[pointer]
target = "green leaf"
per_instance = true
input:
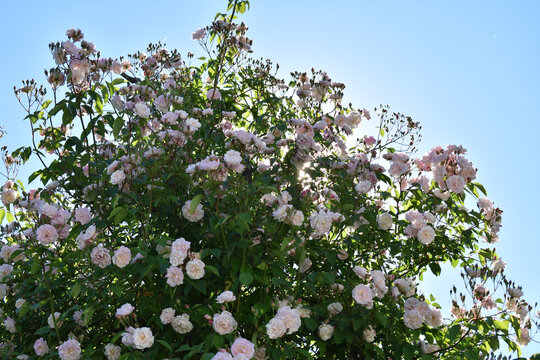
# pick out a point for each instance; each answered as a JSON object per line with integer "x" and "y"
{"x": 9, "y": 217}
{"x": 166, "y": 344}
{"x": 246, "y": 277}
{"x": 194, "y": 202}
{"x": 75, "y": 290}
{"x": 212, "y": 269}
{"x": 2, "y": 215}
{"x": 117, "y": 126}
{"x": 453, "y": 332}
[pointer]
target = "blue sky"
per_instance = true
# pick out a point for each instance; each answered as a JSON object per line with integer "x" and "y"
{"x": 467, "y": 70}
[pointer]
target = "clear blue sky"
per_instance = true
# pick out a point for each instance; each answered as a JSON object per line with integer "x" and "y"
{"x": 468, "y": 71}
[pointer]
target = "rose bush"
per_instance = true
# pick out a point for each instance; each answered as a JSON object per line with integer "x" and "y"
{"x": 208, "y": 209}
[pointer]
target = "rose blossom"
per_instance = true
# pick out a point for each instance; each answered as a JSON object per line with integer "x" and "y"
{"x": 41, "y": 347}
{"x": 222, "y": 355}
{"x": 112, "y": 352}
{"x": 243, "y": 346}
{"x": 198, "y": 34}
{"x": 117, "y": 177}
{"x": 434, "y": 318}
{"x": 369, "y": 334}
{"x": 363, "y": 186}
{"x": 334, "y": 308}
{"x": 224, "y": 323}
{"x": 46, "y": 234}
{"x": 70, "y": 350}
{"x": 290, "y": 318}
{"x": 385, "y": 221}
{"x": 297, "y": 218}
{"x": 54, "y": 318}
{"x": 412, "y": 319}
{"x": 167, "y": 315}
{"x": 232, "y": 158}
{"x": 326, "y": 331}
{"x": 455, "y": 184}
{"x": 213, "y": 94}
{"x": 195, "y": 269}
{"x": 175, "y": 276}
{"x": 192, "y": 215}
{"x": 181, "y": 324}
{"x": 125, "y": 310}
{"x": 100, "y": 256}
{"x": 9, "y": 196}
{"x": 225, "y": 297}
{"x": 142, "y": 110}
{"x": 143, "y": 338}
{"x": 121, "y": 257}
{"x": 426, "y": 235}
{"x": 83, "y": 215}
{"x": 362, "y": 294}
{"x": 275, "y": 328}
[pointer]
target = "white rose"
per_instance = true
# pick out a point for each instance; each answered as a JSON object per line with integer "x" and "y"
{"x": 275, "y": 328}
{"x": 121, "y": 257}
{"x": 385, "y": 221}
{"x": 225, "y": 297}
{"x": 326, "y": 331}
{"x": 194, "y": 215}
{"x": 9, "y": 196}
{"x": 117, "y": 177}
{"x": 142, "y": 110}
{"x": 167, "y": 316}
{"x": 51, "y": 320}
{"x": 297, "y": 218}
{"x": 100, "y": 256}
{"x": 181, "y": 324}
{"x": 112, "y": 352}
{"x": 363, "y": 186}
{"x": 143, "y": 338}
{"x": 321, "y": 222}
{"x": 125, "y": 310}
{"x": 232, "y": 158}
{"x": 334, "y": 308}
{"x": 70, "y": 350}
{"x": 46, "y": 234}
{"x": 41, "y": 347}
{"x": 426, "y": 234}
{"x": 412, "y": 319}
{"x": 362, "y": 294}
{"x": 195, "y": 269}
{"x": 175, "y": 276}
{"x": 224, "y": 323}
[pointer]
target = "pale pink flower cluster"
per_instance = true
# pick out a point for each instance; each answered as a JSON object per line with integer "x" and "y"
{"x": 417, "y": 312}
{"x": 321, "y": 221}
{"x": 287, "y": 320}
{"x": 400, "y": 163}
{"x": 86, "y": 237}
